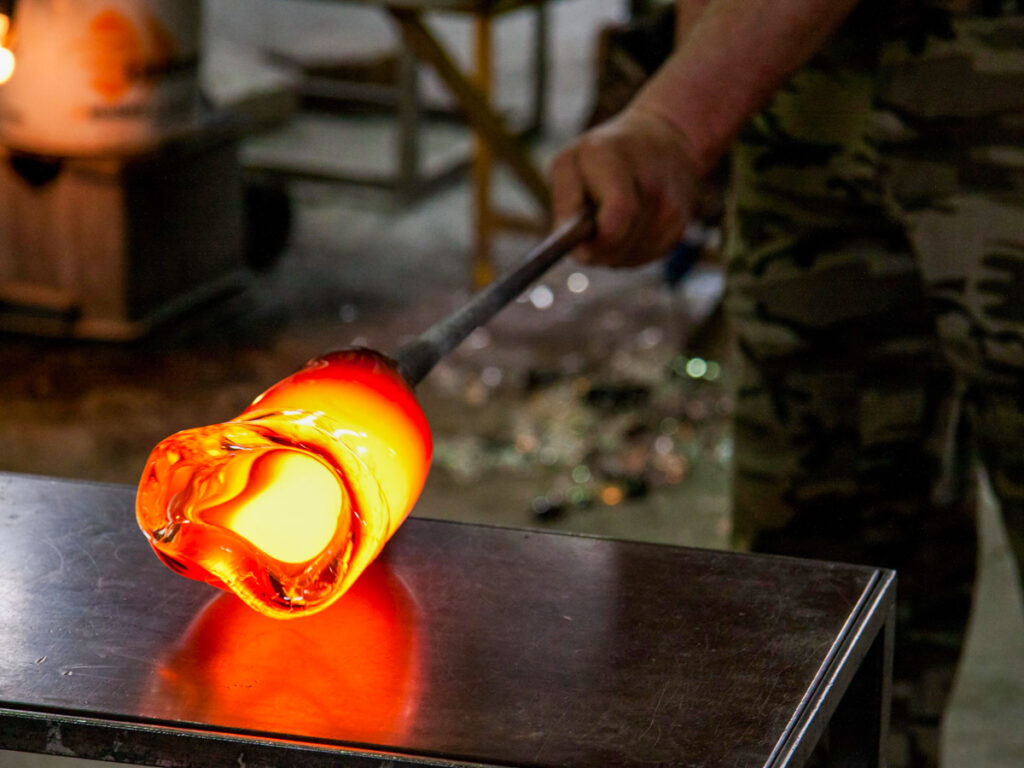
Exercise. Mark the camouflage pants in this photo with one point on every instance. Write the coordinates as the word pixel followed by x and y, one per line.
pixel 876 265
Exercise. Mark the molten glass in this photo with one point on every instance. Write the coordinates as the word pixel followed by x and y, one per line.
pixel 288 503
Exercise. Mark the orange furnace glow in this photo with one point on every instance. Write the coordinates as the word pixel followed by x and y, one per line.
pixel 288 503
pixel 6 54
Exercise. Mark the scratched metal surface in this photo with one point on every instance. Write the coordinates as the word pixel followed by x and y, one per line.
pixel 464 643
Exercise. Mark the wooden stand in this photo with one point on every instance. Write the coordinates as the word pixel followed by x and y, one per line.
pixel 107 249
pixel 472 86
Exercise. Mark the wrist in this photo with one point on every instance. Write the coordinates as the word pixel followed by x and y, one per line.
pixel 672 133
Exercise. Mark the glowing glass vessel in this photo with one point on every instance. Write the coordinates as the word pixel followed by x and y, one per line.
pixel 288 503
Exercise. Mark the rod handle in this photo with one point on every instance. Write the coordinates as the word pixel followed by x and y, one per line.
pixel 416 359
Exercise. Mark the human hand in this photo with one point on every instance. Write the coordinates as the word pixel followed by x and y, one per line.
pixel 637 172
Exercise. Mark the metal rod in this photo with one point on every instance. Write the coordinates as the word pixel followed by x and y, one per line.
pixel 416 359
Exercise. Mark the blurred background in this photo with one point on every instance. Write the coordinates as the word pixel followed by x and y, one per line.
pixel 312 205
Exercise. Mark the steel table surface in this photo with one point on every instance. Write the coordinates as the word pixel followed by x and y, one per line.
pixel 463 644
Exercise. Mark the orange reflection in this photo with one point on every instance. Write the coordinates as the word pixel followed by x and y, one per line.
pixel 114 54
pixel 288 503
pixel 350 673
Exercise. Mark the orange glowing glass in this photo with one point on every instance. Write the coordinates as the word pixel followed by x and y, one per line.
pixel 288 503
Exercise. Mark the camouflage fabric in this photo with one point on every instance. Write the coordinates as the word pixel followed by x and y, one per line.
pixel 875 244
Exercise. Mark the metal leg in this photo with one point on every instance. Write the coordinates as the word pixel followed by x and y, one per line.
pixel 541 65
pixel 483 78
pixel 503 144
pixel 859 730
pixel 408 123
pixel 492 139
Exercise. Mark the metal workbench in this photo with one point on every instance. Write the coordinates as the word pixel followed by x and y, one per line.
pixel 463 645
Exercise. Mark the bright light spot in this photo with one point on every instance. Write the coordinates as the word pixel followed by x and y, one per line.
pixel 577 495
pixel 491 376
pixel 696 368
pixel 674 468
pixel 6 65
pixel 664 445
pixel 611 495
pixel 526 443
pixel 649 338
pixel 290 508
pixel 478 339
pixel 578 282
pixel 724 451
pixel 548 456
pixel 581 474
pixel 541 297
pixel 6 56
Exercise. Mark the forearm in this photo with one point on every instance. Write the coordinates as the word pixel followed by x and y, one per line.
pixel 688 13
pixel 731 57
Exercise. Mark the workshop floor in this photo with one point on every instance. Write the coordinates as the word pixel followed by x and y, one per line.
pixel 594 406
